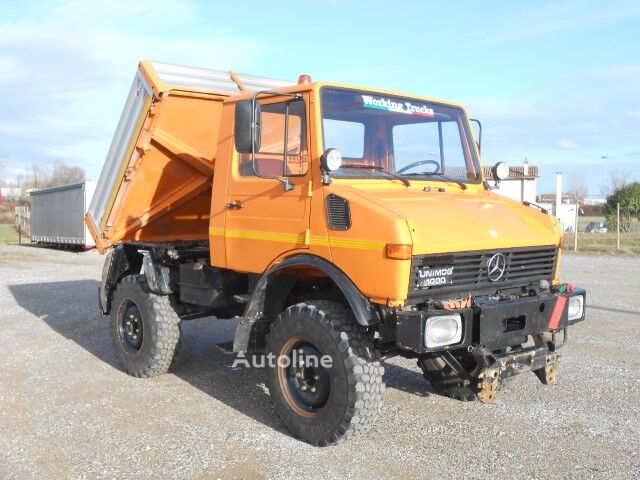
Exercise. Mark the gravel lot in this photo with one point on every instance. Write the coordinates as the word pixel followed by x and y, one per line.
pixel 67 410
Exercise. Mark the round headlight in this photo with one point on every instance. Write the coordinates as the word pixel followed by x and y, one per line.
pixel 331 160
pixel 500 171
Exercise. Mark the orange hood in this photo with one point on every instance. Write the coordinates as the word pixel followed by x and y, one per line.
pixel 455 221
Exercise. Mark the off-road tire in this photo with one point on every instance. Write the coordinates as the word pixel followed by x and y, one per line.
pixel 356 388
pixel 445 380
pixel 161 328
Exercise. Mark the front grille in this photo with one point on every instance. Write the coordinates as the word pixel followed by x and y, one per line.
pixel 523 265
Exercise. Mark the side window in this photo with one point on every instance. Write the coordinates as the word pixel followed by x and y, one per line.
pixel 348 137
pixel 413 142
pixel 270 160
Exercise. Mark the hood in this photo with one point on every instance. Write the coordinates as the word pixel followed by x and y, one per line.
pixel 457 221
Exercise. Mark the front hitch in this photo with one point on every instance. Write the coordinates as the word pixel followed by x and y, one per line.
pixel 542 359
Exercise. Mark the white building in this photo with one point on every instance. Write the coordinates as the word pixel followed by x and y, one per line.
pixel 9 192
pixel 521 185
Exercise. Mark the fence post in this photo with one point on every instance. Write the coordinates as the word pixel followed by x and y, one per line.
pixel 618 224
pixel 575 233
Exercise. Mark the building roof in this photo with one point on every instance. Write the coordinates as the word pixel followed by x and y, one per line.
pixel 516 172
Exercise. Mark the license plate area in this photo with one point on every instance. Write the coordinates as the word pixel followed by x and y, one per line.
pixel 506 323
pixel 434 276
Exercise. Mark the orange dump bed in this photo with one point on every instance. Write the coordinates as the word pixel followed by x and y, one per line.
pixel 155 185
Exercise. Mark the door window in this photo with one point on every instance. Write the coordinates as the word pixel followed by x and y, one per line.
pixel 271 160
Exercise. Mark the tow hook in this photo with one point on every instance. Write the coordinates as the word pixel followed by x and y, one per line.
pixel 487 387
pixel 541 359
pixel 549 374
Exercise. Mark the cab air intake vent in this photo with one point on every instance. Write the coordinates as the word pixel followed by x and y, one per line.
pixel 338 213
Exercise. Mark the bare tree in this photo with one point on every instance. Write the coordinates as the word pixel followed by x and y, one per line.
pixel 578 187
pixel 619 179
pixel 2 179
pixel 39 176
pixel 63 174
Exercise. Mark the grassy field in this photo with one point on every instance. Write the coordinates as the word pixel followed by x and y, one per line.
pixel 8 234
pixel 604 242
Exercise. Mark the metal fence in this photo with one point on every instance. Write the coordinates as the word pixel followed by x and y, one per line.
pixel 601 235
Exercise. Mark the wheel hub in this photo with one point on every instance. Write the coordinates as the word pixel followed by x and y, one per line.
pixel 308 380
pixel 131 328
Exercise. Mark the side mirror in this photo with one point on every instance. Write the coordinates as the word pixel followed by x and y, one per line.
pixel 247 130
pixel 500 171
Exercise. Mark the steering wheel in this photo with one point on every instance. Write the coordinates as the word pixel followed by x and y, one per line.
pixel 421 162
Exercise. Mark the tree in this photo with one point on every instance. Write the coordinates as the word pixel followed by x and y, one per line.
pixel 629 199
pixel 63 174
pixel 2 157
pixel 619 179
pixel 578 187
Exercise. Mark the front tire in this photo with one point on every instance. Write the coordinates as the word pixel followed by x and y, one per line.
pixel 323 404
pixel 145 328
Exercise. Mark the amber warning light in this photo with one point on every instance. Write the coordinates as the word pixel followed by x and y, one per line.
pixel 304 79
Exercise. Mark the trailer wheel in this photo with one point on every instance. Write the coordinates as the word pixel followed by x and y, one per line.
pixel 145 329
pixel 445 380
pixel 320 403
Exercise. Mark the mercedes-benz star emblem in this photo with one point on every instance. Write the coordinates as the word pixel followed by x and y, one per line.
pixel 496 266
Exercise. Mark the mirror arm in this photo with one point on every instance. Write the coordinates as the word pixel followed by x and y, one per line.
pixel 479 142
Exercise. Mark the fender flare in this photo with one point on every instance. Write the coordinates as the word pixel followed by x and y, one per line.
pixel 258 306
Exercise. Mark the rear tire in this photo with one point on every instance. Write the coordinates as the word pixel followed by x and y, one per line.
pixel 323 405
pixel 145 328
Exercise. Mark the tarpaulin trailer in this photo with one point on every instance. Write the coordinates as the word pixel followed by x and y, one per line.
pixel 57 215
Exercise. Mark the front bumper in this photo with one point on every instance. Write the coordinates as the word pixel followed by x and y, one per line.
pixel 492 324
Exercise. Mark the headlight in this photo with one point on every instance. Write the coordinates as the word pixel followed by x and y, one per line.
pixel 576 307
pixel 443 330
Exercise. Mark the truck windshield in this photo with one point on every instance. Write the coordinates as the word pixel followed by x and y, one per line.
pixel 402 135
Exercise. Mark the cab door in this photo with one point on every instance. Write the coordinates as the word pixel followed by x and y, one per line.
pixel 264 219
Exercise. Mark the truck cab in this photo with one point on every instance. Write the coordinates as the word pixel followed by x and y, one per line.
pixel 335 221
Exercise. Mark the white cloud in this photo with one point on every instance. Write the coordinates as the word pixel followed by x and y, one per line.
pixel 68 68
pixel 574 113
pixel 567 144
pixel 544 19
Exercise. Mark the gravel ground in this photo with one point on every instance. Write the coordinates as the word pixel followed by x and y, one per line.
pixel 68 411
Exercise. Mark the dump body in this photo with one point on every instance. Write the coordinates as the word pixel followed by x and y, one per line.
pixel 155 185
pixel 57 215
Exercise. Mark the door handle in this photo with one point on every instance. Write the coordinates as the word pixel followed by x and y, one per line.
pixel 235 205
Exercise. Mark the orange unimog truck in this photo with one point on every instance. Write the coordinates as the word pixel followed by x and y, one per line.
pixel 343 225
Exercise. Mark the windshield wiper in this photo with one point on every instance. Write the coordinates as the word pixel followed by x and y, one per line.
pixel 378 169
pixel 436 174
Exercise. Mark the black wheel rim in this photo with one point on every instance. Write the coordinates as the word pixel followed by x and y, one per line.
pixel 130 327
pixel 308 381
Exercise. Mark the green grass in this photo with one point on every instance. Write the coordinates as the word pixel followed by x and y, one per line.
pixel 8 234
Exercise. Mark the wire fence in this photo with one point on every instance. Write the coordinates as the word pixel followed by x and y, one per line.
pixel 596 234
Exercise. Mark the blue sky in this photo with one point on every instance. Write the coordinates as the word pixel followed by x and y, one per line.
pixel 555 82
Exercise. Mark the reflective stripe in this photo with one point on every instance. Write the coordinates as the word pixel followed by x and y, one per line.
pixel 297 238
pixel 554 322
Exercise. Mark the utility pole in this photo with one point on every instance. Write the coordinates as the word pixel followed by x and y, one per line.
pixel 604 181
pixel 575 234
